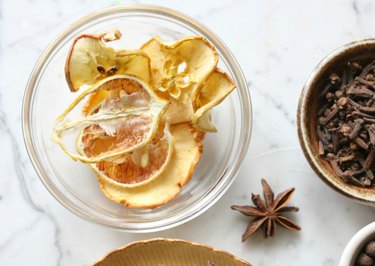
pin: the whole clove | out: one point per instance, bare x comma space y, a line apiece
346, 123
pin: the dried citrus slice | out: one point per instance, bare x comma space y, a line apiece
122, 121
128, 93
213, 91
90, 60
178, 68
187, 149
138, 167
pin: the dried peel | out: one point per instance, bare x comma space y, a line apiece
187, 149
127, 119
90, 60
214, 90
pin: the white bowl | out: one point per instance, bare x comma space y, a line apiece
356, 243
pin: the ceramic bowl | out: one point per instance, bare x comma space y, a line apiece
356, 244
169, 252
74, 184
360, 51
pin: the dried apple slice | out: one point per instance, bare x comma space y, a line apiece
178, 112
122, 121
187, 149
135, 168
90, 60
178, 68
213, 91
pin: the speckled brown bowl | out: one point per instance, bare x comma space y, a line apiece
362, 51
169, 252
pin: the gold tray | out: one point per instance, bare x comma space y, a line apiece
169, 252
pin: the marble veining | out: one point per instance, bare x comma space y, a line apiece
20, 173
277, 43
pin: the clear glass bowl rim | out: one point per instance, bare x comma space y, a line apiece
246, 121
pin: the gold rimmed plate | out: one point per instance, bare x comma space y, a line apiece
169, 252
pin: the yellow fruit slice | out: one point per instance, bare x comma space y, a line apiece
138, 167
124, 120
128, 92
213, 91
178, 112
204, 122
187, 149
90, 60
178, 68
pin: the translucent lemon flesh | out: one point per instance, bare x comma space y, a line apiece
138, 167
187, 149
124, 120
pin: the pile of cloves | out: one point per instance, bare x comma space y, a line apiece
367, 255
346, 123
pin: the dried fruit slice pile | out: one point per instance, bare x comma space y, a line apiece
124, 120
141, 120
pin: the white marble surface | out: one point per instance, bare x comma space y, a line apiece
277, 43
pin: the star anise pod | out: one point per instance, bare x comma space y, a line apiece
269, 212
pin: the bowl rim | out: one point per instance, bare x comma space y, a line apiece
303, 134
170, 240
355, 243
246, 122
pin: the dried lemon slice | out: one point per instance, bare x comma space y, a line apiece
214, 90
138, 167
90, 60
187, 149
122, 121
179, 68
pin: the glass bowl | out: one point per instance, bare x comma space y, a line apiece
73, 184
